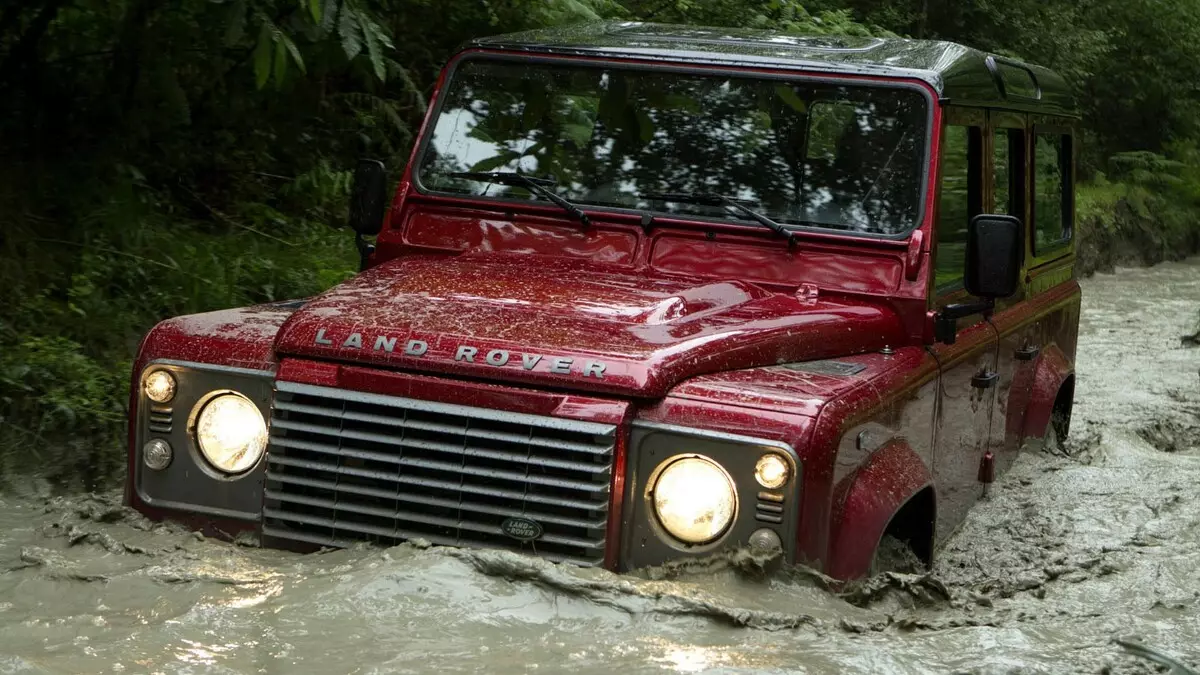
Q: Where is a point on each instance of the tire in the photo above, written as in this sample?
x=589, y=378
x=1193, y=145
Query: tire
x=894, y=555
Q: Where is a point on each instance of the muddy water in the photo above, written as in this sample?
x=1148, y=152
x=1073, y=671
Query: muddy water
x=1079, y=545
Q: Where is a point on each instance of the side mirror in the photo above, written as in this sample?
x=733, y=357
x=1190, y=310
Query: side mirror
x=368, y=197
x=995, y=248
x=995, y=251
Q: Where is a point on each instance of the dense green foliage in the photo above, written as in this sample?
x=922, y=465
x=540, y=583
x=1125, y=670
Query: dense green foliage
x=160, y=158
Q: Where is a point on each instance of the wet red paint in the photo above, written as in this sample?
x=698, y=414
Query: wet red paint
x=617, y=330
x=865, y=503
x=694, y=323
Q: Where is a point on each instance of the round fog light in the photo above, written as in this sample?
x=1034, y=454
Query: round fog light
x=772, y=471
x=766, y=541
x=694, y=500
x=157, y=454
x=159, y=386
x=231, y=433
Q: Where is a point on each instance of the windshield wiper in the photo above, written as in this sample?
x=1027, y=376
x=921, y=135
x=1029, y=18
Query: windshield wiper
x=713, y=199
x=535, y=185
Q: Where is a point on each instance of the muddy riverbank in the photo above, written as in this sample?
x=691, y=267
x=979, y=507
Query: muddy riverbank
x=1078, y=546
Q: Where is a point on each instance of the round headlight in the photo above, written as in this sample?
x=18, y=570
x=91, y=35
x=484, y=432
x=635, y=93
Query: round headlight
x=694, y=500
x=159, y=386
x=231, y=433
x=772, y=471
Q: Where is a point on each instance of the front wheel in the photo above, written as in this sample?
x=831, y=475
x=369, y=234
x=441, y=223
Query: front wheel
x=895, y=555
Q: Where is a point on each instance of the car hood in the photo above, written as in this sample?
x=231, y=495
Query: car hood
x=572, y=324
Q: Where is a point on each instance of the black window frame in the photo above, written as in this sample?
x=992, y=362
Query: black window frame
x=974, y=120
x=1015, y=128
x=1066, y=159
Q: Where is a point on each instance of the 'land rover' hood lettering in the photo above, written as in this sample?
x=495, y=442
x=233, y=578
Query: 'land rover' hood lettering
x=495, y=357
x=573, y=323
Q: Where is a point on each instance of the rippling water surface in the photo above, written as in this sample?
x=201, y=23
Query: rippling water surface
x=1076, y=547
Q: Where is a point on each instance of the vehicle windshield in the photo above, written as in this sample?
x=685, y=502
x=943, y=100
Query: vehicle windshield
x=809, y=153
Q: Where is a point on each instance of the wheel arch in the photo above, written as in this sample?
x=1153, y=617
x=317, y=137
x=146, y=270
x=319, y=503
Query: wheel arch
x=1054, y=379
x=891, y=490
x=915, y=523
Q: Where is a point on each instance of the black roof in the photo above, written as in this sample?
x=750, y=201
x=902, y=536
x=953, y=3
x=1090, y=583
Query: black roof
x=959, y=74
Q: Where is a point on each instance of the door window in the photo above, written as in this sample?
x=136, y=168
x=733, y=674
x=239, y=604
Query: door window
x=1008, y=175
x=960, y=201
x=1052, y=208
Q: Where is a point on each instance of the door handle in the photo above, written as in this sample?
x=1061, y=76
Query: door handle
x=985, y=380
x=1027, y=353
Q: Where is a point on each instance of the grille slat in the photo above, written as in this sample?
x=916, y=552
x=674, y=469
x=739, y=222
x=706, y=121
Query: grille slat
x=439, y=447
x=349, y=466
x=543, y=517
x=414, y=518
x=425, y=483
x=446, y=467
x=430, y=426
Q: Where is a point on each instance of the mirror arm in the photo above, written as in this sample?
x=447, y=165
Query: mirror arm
x=946, y=324
x=365, y=249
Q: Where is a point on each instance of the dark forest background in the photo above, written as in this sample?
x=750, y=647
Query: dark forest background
x=162, y=157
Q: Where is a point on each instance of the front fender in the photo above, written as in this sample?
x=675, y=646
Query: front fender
x=865, y=502
x=1053, y=369
x=237, y=338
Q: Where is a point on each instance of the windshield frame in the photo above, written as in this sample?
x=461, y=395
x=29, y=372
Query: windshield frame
x=770, y=74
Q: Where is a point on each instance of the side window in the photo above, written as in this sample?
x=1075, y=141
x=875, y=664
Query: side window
x=1052, y=207
x=960, y=200
x=1008, y=172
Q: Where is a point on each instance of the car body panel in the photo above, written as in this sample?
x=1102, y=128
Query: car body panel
x=823, y=347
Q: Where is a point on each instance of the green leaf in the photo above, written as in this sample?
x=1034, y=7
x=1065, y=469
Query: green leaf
x=580, y=134
x=479, y=132
x=314, y=6
x=281, y=62
x=493, y=163
x=350, y=32
x=294, y=51
x=374, y=49
x=331, y=12
x=262, y=56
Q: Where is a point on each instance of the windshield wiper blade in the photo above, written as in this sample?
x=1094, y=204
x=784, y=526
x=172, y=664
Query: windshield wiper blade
x=535, y=185
x=713, y=199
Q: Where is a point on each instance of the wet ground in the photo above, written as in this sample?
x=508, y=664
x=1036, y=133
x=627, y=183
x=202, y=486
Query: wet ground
x=1079, y=546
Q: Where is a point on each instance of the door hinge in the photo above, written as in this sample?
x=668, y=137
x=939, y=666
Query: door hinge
x=985, y=380
x=1027, y=353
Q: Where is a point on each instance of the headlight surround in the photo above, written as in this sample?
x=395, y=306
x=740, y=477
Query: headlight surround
x=694, y=499
x=231, y=433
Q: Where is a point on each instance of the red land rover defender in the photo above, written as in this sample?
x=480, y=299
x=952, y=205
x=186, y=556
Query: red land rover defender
x=647, y=292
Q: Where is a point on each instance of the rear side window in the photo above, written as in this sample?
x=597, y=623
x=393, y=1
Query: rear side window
x=1008, y=162
x=1052, y=204
x=960, y=200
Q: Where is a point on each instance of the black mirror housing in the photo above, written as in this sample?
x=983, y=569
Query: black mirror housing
x=368, y=197
x=995, y=251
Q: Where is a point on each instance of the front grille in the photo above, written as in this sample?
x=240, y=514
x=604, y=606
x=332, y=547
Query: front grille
x=347, y=466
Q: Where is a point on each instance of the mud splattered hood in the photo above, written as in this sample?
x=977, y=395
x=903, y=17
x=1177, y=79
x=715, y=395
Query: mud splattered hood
x=570, y=324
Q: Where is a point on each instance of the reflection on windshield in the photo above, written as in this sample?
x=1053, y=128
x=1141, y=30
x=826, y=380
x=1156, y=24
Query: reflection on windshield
x=809, y=153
